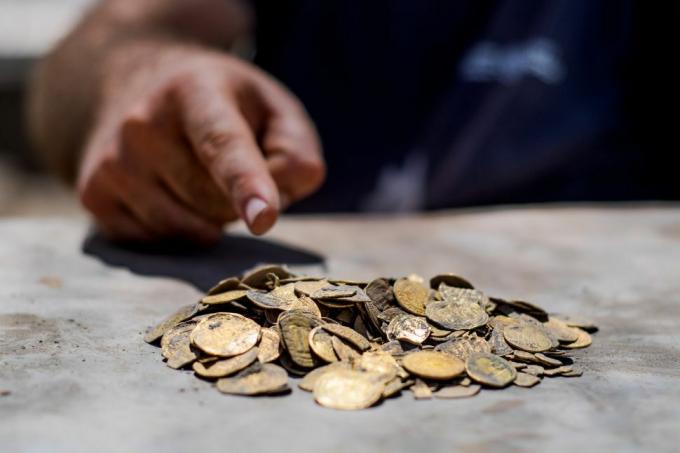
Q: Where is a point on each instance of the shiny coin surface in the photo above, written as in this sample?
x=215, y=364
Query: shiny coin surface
x=225, y=334
x=489, y=369
x=347, y=389
x=527, y=338
x=584, y=340
x=411, y=329
x=433, y=365
x=411, y=295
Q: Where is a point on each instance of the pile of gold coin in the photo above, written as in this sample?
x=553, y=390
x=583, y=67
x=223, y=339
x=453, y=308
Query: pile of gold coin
x=355, y=343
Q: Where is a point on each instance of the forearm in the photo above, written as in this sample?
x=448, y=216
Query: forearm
x=68, y=87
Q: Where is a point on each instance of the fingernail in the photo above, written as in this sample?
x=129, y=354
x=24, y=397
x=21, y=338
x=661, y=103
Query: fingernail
x=254, y=208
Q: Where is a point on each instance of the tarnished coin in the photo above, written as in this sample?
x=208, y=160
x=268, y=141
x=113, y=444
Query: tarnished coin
x=182, y=314
x=380, y=292
x=307, y=304
x=349, y=335
x=584, y=340
x=225, y=367
x=561, y=330
x=280, y=298
x=309, y=287
x=258, y=277
x=450, y=280
x=457, y=391
x=344, y=352
x=334, y=292
x=433, y=365
x=347, y=389
x=295, y=326
x=463, y=295
x=411, y=329
x=498, y=344
x=463, y=347
x=577, y=321
x=526, y=380
x=545, y=360
x=454, y=315
x=395, y=386
x=489, y=369
x=225, y=334
x=411, y=295
x=176, y=345
x=270, y=345
x=528, y=338
x=320, y=343
x=389, y=314
x=225, y=297
x=225, y=285
x=270, y=379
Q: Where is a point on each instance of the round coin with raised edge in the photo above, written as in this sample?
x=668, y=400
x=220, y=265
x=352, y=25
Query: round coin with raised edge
x=527, y=338
x=225, y=334
x=433, y=365
x=411, y=295
x=489, y=369
x=347, y=389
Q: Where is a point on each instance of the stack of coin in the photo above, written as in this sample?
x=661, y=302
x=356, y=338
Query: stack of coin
x=354, y=343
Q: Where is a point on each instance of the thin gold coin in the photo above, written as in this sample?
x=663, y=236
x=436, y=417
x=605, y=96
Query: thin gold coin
x=380, y=363
x=225, y=297
x=489, y=369
x=527, y=338
x=320, y=342
x=349, y=335
x=561, y=330
x=433, y=365
x=584, y=340
x=270, y=345
x=451, y=280
x=526, y=380
x=463, y=347
x=264, y=379
x=344, y=352
x=308, y=382
x=420, y=390
x=411, y=295
x=183, y=313
x=346, y=389
x=225, y=334
x=258, y=277
x=176, y=345
x=457, y=391
x=225, y=367
x=295, y=326
x=225, y=285
x=454, y=315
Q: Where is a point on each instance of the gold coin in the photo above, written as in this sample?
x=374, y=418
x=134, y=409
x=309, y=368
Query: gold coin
x=309, y=287
x=258, y=277
x=433, y=365
x=454, y=315
x=307, y=304
x=349, y=335
x=176, y=345
x=380, y=292
x=420, y=390
x=489, y=369
x=270, y=345
x=308, y=382
x=227, y=284
x=411, y=295
x=411, y=329
x=584, y=340
x=344, y=352
x=347, y=389
x=320, y=343
x=450, y=280
x=498, y=344
x=295, y=326
x=528, y=338
x=457, y=391
x=264, y=379
x=380, y=363
x=545, y=360
x=395, y=386
x=463, y=347
x=225, y=334
x=334, y=292
x=225, y=367
x=526, y=380
x=561, y=330
x=225, y=297
x=182, y=314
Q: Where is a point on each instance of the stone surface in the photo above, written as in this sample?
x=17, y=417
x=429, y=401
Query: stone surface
x=73, y=312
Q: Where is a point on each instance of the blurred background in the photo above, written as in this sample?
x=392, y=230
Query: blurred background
x=28, y=28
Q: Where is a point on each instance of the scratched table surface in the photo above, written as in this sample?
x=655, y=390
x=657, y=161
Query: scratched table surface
x=73, y=311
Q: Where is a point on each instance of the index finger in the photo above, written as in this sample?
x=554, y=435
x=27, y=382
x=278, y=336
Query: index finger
x=225, y=144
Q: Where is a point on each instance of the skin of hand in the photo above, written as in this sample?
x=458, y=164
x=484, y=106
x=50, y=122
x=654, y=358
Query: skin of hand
x=186, y=139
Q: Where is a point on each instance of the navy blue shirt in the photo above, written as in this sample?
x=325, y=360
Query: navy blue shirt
x=440, y=103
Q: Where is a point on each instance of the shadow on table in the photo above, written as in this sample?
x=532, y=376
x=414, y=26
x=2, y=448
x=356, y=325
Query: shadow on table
x=199, y=267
